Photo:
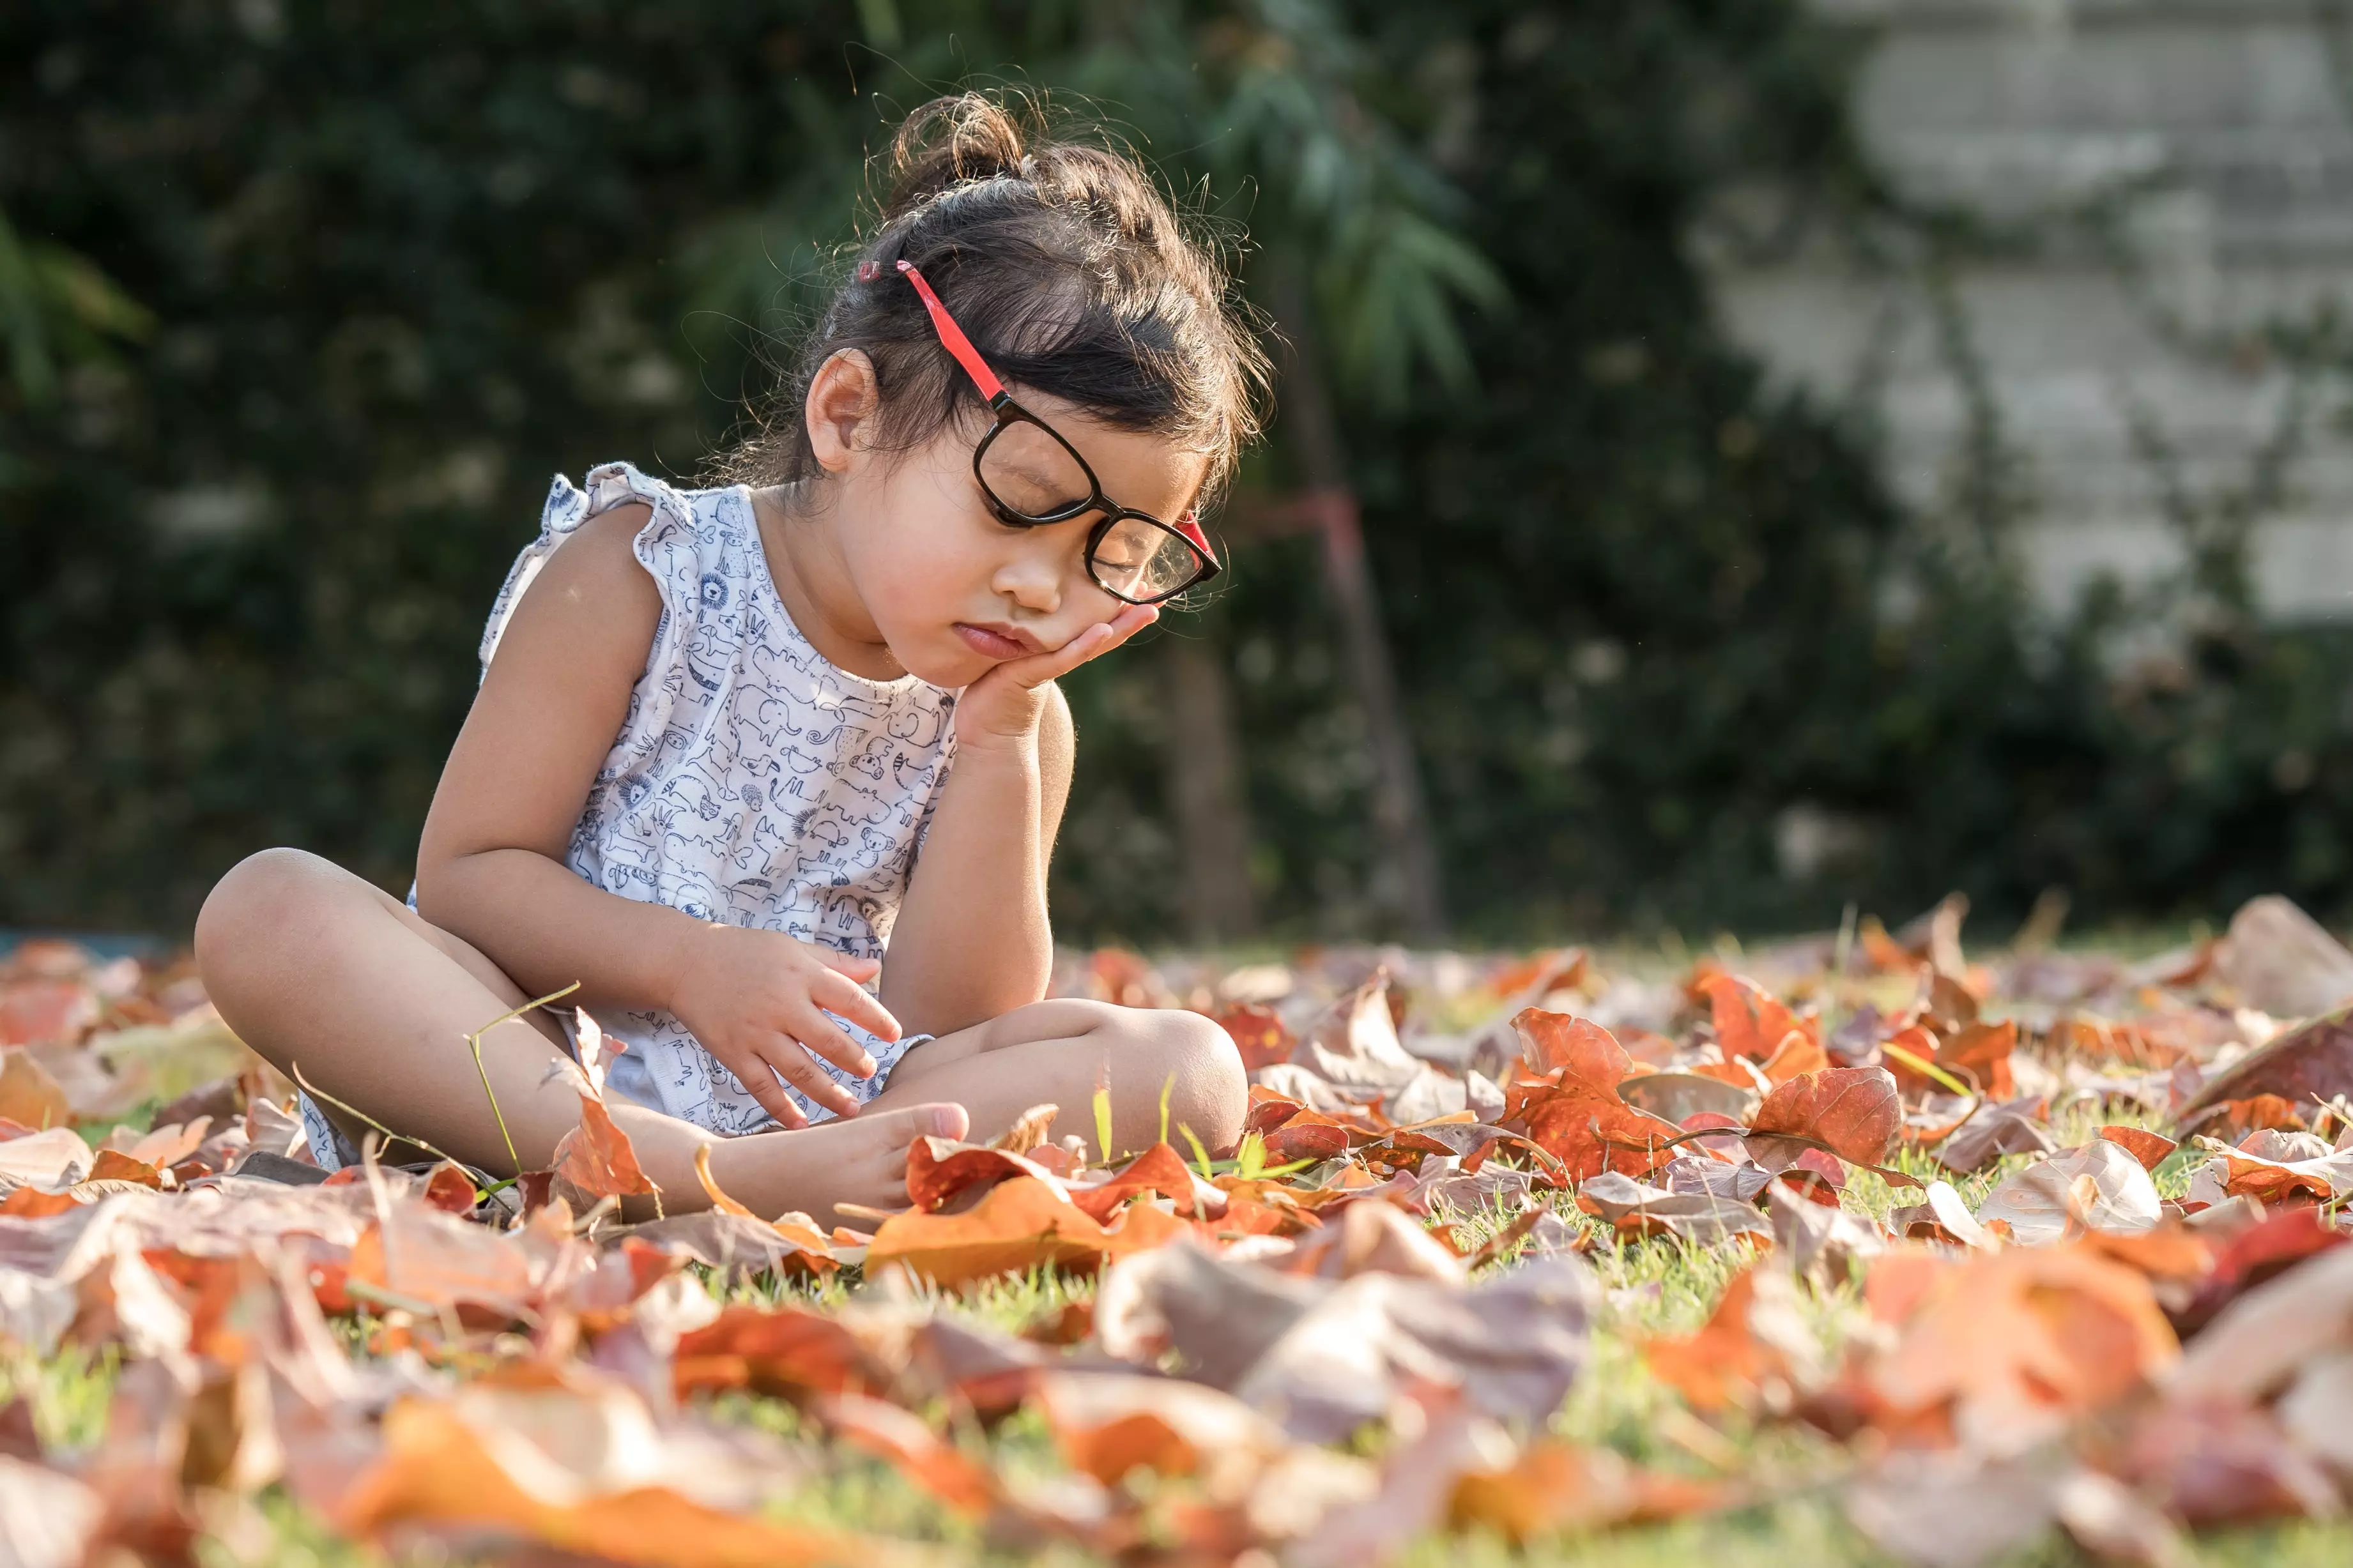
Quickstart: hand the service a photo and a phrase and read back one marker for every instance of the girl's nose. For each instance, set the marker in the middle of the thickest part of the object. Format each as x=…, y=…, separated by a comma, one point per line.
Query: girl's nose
x=1032, y=579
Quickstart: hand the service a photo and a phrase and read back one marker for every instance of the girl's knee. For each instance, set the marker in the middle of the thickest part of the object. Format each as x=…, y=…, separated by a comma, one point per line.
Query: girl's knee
x=264, y=896
x=1211, y=1092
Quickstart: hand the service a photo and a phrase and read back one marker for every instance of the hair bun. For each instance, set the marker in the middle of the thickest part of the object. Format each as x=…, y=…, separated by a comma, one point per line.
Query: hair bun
x=952, y=139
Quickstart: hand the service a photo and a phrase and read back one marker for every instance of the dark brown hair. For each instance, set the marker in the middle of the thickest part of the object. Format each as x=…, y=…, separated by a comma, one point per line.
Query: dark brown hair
x=1069, y=271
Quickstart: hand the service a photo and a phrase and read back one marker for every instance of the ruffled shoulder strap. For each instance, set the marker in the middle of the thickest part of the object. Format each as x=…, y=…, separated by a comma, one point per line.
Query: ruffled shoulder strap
x=610, y=485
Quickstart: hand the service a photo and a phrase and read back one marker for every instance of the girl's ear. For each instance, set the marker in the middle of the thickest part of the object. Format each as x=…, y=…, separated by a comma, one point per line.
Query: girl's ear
x=842, y=398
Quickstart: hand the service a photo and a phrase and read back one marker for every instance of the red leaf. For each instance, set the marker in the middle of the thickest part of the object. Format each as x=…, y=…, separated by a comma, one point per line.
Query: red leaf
x=33, y=1012
x=940, y=1170
x=1268, y=1110
x=1159, y=1169
x=450, y=1189
x=1582, y=1051
x=1589, y=1133
x=2149, y=1148
x=780, y=1351
x=1855, y=1111
x=596, y=1157
x=1750, y=1021
x=1308, y=1135
x=1258, y=1032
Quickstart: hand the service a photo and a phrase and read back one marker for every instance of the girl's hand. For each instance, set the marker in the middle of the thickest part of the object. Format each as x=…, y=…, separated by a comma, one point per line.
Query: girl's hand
x=1005, y=703
x=753, y=997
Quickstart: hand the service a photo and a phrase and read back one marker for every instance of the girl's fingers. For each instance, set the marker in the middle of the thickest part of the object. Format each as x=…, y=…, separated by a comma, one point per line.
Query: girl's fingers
x=822, y=1037
x=1092, y=643
x=790, y=1058
x=861, y=970
x=760, y=1082
x=837, y=994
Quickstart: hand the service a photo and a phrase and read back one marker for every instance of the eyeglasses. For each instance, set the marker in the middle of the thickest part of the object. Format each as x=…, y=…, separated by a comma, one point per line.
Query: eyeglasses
x=1031, y=476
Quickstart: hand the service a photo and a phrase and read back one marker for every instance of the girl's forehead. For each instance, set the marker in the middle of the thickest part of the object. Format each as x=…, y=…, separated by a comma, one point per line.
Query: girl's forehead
x=1140, y=468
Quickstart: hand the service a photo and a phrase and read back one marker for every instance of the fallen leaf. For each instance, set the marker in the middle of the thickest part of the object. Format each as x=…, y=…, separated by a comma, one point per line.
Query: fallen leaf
x=1677, y=1096
x=36, y=1012
x=2280, y=961
x=1323, y=1358
x=1019, y=1225
x=2262, y=1252
x=29, y=1095
x=2040, y=1201
x=1636, y=1209
x=2149, y=1148
x=940, y=1171
x=1029, y=1130
x=1742, y=1357
x=1992, y=1132
x=1586, y=1055
x=2313, y=1064
x=586, y=1473
x=2003, y=1351
x=596, y=1159
x=48, y=1518
x=1750, y=1020
x=1108, y=1424
x=779, y=1350
x=1855, y=1111
x=1258, y=1032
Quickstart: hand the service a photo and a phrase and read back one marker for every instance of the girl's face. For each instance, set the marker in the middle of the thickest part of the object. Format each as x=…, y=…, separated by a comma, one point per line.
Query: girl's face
x=951, y=591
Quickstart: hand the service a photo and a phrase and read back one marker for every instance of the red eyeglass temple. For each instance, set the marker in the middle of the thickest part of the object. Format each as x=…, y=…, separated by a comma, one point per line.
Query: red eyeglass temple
x=960, y=347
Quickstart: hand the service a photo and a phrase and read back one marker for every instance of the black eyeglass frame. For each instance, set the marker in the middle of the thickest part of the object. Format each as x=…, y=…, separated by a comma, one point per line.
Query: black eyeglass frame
x=1009, y=411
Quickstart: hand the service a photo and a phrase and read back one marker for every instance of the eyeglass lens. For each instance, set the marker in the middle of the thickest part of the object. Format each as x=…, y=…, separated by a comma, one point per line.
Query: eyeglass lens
x=1031, y=473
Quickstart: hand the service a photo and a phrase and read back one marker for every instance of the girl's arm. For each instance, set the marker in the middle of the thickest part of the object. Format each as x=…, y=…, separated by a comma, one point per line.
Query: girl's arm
x=972, y=939
x=490, y=867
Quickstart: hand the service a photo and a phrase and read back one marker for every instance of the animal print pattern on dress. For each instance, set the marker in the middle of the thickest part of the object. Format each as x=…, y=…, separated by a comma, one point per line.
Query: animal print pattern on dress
x=752, y=783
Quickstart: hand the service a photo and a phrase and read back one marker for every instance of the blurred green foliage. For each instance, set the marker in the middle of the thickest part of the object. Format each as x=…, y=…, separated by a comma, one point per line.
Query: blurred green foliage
x=302, y=302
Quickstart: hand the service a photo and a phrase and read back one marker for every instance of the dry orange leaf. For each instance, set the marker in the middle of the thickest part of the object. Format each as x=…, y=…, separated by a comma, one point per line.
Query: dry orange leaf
x=1586, y=1055
x=1556, y=1487
x=1750, y=1021
x=2149, y=1148
x=1258, y=1032
x=1800, y=1053
x=1021, y=1223
x=783, y=1351
x=1159, y=1169
x=1855, y=1111
x=1724, y=1364
x=596, y=1157
x=34, y=1012
x=1589, y=1133
x=439, y=1466
x=940, y=1170
x=111, y=1165
x=29, y=1095
x=2009, y=1346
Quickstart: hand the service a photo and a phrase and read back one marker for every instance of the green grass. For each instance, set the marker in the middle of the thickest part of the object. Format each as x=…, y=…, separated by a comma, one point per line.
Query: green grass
x=1652, y=1288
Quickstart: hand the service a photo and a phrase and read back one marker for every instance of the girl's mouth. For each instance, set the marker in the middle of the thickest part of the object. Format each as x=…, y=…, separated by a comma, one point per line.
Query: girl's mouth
x=998, y=641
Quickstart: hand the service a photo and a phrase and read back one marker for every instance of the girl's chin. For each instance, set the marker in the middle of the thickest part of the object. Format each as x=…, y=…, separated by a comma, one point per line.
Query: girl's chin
x=947, y=663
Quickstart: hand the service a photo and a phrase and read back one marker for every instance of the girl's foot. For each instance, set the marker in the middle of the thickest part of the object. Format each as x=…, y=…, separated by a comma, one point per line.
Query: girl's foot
x=862, y=1160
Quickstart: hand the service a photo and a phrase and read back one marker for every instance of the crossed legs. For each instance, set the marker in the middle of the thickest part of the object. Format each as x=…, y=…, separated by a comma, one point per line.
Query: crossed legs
x=315, y=968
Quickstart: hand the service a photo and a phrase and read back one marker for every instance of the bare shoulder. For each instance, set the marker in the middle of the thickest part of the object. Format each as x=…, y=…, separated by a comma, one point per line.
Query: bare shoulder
x=596, y=566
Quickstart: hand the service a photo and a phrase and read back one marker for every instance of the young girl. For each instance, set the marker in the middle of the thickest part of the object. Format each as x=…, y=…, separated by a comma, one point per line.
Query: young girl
x=731, y=742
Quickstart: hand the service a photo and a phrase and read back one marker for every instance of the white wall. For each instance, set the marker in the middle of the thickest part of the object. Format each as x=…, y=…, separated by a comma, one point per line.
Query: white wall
x=2228, y=120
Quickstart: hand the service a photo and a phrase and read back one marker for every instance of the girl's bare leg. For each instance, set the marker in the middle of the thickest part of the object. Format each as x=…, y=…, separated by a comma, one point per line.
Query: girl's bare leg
x=314, y=967
x=1056, y=1052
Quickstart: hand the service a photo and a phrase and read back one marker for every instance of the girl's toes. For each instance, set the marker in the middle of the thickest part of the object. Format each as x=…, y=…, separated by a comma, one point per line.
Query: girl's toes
x=898, y=1128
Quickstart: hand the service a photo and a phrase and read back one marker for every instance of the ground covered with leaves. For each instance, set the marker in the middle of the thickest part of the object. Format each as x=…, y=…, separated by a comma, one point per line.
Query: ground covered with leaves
x=1850, y=1250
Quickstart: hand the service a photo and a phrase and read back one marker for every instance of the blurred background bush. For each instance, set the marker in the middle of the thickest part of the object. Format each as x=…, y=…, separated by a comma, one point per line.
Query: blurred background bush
x=1800, y=453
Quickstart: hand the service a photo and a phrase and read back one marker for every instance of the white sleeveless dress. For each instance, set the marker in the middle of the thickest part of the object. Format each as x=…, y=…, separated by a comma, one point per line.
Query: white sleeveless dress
x=754, y=782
